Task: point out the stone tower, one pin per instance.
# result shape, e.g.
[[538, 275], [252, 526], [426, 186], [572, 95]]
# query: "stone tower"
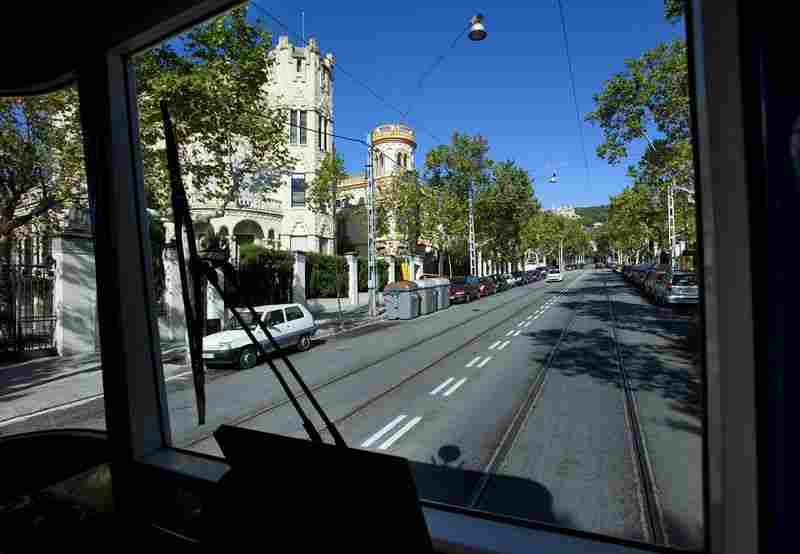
[[395, 146]]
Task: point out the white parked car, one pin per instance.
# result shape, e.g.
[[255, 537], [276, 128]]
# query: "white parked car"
[[289, 325], [554, 274]]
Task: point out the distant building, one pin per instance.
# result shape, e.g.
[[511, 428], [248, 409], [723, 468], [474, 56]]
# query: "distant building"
[[565, 211]]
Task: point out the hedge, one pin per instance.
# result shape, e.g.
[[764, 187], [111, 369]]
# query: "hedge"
[[321, 276], [265, 276]]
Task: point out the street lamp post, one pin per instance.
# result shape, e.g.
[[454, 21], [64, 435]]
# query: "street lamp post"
[[477, 32]]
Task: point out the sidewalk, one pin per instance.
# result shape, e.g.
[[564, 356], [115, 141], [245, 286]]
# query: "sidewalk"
[[18, 376]]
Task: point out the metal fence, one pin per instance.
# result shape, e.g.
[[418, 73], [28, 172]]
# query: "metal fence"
[[27, 310]]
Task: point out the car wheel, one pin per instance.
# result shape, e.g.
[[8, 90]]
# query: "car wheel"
[[248, 357], [304, 343]]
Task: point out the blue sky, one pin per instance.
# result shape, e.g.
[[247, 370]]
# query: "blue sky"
[[513, 87]]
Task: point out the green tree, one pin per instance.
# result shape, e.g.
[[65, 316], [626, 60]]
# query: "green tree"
[[400, 205], [323, 197], [502, 208], [41, 162], [652, 97], [450, 169], [231, 136]]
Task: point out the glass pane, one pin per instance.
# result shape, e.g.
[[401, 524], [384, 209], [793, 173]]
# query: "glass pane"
[[50, 366], [276, 317], [573, 399]]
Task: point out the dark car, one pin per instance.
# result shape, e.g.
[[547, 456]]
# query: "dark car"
[[501, 282], [487, 286], [464, 289]]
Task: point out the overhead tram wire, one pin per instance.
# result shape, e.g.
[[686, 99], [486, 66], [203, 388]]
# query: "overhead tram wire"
[[574, 93], [425, 74], [338, 66]]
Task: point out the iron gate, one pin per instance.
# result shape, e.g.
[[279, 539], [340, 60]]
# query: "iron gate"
[[27, 311]]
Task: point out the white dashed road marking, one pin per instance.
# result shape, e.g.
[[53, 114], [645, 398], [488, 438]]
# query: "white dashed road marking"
[[506, 343], [443, 385], [516, 333], [494, 345], [452, 389], [402, 431], [528, 324], [511, 332], [474, 361], [391, 425], [484, 362]]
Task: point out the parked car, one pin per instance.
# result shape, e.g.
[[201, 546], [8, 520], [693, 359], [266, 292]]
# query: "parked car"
[[289, 325], [464, 289], [487, 286], [500, 281], [554, 275], [677, 288], [649, 285]]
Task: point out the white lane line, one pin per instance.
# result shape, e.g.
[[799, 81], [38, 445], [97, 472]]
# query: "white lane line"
[[528, 318], [535, 318], [391, 425], [494, 345], [452, 389], [443, 385], [511, 332], [520, 324], [528, 324], [402, 431], [474, 361], [484, 362], [516, 334], [506, 343]]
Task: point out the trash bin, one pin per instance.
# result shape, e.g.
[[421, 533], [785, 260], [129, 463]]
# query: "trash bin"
[[428, 293], [443, 286], [401, 300]]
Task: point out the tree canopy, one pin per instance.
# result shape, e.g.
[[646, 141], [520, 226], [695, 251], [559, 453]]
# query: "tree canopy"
[[232, 137]]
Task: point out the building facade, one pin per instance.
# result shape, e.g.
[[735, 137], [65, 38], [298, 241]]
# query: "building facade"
[[394, 148], [301, 81]]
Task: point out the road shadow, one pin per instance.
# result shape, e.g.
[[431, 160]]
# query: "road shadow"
[[444, 480], [660, 351]]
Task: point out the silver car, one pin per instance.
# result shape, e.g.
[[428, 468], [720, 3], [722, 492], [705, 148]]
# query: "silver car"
[[677, 288]]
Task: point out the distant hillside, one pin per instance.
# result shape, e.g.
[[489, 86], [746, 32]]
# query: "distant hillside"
[[593, 214]]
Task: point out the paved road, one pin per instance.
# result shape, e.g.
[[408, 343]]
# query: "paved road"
[[512, 404]]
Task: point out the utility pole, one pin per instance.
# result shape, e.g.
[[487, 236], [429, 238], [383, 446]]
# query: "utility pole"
[[671, 223], [473, 260], [371, 228]]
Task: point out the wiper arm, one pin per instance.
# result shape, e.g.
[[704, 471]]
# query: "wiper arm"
[[206, 268]]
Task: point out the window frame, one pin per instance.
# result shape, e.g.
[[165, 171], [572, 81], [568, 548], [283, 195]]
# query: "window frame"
[[277, 311], [292, 202], [299, 311], [303, 127], [136, 399], [293, 128]]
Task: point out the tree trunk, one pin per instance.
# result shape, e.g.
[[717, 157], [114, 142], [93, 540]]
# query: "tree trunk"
[[441, 262]]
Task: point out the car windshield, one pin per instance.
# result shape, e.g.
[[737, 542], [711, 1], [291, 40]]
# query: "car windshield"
[[246, 317], [684, 280]]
